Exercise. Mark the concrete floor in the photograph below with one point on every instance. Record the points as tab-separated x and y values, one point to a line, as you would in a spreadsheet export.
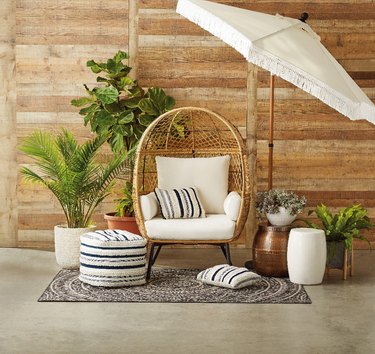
341	318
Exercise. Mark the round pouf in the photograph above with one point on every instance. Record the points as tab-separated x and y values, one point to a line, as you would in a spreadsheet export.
306	256
112	258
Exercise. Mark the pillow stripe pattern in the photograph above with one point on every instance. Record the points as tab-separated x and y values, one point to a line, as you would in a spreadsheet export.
228	276
112	258
181	203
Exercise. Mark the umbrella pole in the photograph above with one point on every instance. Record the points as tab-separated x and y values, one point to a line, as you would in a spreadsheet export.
270	133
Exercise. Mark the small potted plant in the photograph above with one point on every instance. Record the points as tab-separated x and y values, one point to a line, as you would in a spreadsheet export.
279	206
70	171
341	229
119	109
123	217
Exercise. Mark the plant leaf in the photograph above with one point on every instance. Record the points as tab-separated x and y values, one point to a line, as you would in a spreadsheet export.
145	119
96	67
126	117
147	106
107	95
82	101
120	55
101	121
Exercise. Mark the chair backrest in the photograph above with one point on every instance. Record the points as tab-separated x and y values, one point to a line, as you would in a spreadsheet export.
191	132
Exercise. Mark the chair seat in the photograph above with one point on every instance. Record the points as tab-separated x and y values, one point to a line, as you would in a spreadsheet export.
212	227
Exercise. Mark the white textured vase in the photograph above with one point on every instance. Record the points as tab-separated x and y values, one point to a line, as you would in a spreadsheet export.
67	245
306	256
282	218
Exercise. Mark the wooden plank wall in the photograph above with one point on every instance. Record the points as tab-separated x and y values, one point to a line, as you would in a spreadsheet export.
54	41
318	152
8	170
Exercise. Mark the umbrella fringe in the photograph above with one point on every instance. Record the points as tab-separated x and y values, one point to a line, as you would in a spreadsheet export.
311	85
307	83
214	25
267	61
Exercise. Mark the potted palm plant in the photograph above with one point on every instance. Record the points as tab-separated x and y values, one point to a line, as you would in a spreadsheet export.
120	110
341	229
279	206
70	171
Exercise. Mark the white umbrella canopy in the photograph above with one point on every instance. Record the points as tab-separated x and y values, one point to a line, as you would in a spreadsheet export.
287	48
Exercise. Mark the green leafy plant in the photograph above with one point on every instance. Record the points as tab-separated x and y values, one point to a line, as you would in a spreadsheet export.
345	226
270	202
124	205
70	171
120	110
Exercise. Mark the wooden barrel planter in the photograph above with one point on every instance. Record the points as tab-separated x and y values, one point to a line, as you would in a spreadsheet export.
270	250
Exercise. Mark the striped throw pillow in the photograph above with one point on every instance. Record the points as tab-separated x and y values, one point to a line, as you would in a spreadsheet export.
182	203
228	276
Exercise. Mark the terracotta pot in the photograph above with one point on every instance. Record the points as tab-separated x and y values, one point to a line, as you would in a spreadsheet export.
67	245
126	223
270	250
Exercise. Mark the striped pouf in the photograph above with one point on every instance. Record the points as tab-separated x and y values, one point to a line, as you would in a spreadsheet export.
112	258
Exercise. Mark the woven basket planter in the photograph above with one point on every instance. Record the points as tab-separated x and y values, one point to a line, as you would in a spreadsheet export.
67	245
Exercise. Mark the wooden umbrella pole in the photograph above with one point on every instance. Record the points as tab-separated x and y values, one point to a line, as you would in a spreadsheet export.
270	133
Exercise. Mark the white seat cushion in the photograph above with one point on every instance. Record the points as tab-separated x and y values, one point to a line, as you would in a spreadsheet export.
212	227
209	175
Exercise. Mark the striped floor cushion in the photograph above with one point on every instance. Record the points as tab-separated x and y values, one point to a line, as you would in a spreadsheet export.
112	258
228	276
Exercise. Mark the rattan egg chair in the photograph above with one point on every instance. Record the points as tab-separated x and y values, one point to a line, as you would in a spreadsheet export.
190	132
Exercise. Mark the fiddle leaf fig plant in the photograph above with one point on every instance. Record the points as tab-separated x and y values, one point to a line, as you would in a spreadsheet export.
119	110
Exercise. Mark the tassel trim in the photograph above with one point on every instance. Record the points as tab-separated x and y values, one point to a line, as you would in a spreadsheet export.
287	71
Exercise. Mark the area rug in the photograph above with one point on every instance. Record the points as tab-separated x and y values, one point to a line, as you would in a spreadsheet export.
174	286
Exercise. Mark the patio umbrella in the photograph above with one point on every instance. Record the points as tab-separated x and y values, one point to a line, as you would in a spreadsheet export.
287	48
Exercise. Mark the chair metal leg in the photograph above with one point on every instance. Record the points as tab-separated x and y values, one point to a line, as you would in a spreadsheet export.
223	249
226	251
157	253
150	260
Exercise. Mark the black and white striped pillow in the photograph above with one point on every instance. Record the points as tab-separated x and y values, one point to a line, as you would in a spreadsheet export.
228	276
182	203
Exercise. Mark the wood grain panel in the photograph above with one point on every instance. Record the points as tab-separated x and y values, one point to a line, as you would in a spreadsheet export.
316	148
318	152
8	171
54	42
71	22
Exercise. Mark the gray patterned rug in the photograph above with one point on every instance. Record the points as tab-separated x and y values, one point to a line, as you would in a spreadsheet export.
174	285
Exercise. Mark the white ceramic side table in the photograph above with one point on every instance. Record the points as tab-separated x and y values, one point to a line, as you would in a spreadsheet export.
306	256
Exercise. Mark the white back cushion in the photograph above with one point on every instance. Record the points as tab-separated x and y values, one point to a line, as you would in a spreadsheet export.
209	175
